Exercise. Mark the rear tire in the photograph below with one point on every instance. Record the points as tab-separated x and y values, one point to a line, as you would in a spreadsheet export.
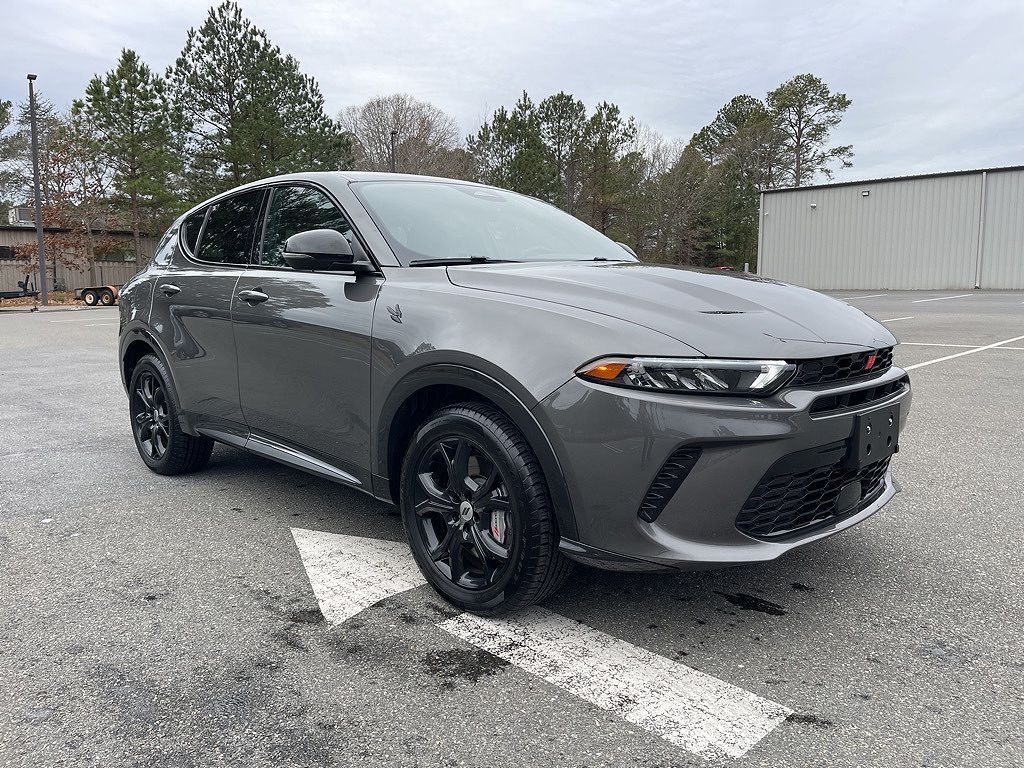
477	512
90	298
161	443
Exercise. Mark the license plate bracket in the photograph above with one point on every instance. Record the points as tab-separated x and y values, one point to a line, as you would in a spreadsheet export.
875	435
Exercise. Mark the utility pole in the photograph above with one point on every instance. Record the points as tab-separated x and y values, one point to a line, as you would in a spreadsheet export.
394	160
37	193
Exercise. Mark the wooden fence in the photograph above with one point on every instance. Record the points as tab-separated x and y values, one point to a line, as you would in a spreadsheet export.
99	273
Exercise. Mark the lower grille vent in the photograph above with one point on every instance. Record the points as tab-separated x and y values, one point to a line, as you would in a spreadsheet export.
667	482
797	498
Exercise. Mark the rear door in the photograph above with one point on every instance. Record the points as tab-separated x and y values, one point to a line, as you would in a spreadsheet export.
191	312
304	351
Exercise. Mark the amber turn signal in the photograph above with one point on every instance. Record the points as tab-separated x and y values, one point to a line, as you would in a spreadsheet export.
605	371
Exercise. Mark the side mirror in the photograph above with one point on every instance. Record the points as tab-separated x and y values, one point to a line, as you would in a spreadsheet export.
321	249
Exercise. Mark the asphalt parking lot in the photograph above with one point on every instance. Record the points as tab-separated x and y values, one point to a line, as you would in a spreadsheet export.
161	621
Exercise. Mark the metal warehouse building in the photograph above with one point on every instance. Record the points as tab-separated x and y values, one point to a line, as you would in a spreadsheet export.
937	231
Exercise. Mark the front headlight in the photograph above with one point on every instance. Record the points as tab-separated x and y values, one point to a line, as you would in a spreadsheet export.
691	375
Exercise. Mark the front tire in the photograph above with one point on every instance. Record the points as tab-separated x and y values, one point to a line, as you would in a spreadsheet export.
477	512
165	448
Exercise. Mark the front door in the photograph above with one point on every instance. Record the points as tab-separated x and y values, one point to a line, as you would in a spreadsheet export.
304	351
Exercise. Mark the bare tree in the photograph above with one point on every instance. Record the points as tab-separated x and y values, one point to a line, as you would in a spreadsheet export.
426	138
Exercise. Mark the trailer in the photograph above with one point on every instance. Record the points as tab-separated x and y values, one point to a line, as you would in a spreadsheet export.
26	289
92	295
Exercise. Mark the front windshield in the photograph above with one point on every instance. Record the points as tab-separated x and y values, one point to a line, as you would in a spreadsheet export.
427	220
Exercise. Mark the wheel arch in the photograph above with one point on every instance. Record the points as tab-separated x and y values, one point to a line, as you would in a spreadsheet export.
426	389
136	344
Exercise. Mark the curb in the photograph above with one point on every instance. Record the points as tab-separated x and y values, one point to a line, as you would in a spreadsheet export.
48	310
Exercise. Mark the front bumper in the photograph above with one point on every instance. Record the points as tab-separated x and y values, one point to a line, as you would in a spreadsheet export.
612	442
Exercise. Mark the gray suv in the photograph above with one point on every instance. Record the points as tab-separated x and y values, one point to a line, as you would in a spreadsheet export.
524	389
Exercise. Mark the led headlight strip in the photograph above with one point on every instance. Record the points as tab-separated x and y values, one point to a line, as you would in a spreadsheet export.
691	375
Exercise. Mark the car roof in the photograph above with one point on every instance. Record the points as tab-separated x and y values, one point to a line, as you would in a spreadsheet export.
328	179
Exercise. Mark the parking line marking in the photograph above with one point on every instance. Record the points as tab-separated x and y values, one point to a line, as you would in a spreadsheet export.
942	298
965	352
350	573
688	708
894	319
932	344
92	325
953	346
682	705
871	296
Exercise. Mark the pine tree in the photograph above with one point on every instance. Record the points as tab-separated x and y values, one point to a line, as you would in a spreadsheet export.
508	151
562	121
608	138
136	134
249	110
806	111
10	179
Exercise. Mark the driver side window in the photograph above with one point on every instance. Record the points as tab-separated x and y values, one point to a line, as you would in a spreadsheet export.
293	210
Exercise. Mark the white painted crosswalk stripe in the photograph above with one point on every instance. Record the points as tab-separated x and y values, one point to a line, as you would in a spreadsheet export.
691	709
351	573
684	706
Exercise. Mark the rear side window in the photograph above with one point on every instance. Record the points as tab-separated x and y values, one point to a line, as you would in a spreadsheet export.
191	228
293	210
230	225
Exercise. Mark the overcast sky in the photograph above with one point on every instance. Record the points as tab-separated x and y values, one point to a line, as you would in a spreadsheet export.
935	86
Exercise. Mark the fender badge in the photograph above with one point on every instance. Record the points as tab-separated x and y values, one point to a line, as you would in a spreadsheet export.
396	313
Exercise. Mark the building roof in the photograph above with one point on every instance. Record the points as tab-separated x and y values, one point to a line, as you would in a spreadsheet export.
32	228
913	177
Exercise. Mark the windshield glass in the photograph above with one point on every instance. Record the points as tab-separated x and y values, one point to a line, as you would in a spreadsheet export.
424	220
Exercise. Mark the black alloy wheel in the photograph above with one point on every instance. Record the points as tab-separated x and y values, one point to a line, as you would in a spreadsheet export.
150	416
477	511
463	512
163	445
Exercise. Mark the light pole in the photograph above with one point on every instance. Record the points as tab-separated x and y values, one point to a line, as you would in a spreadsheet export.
394	160
38	196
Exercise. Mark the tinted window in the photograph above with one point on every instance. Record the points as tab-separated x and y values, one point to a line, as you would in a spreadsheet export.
191	228
297	209
435	220
229	230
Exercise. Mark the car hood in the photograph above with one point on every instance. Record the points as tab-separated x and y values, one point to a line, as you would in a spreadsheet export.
720	315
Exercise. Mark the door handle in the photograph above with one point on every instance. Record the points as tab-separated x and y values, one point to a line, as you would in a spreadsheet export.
167	289
253	297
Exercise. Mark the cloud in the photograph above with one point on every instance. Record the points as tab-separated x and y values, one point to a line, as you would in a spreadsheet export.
935	86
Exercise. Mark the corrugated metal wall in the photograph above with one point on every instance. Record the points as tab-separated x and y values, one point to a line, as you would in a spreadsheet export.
1002	252
903	234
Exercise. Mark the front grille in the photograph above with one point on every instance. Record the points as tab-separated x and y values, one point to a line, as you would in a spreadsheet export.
827	370
667	482
785	503
859	397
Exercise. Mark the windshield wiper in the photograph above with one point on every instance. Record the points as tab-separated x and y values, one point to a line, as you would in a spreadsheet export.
459	260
